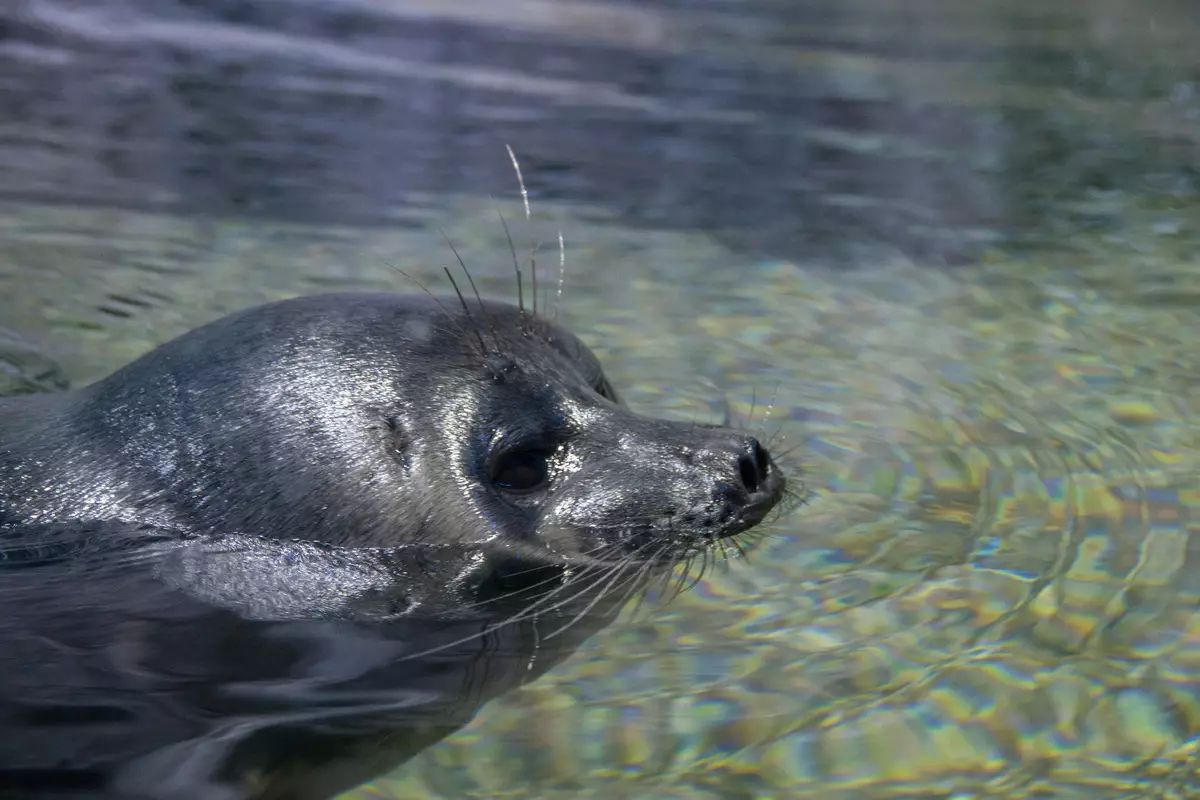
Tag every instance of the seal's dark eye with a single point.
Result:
(522, 471)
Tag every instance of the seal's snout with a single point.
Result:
(752, 487)
(729, 480)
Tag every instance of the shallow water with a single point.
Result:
(951, 248)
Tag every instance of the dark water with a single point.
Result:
(799, 130)
(955, 243)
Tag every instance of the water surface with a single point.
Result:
(951, 247)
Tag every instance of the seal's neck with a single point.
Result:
(51, 470)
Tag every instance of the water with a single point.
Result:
(953, 247)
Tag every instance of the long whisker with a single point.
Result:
(785, 453)
(596, 567)
(462, 331)
(598, 552)
(525, 202)
(516, 263)
(602, 579)
(666, 578)
(474, 288)
(533, 275)
(539, 611)
(741, 548)
(535, 609)
(678, 574)
(520, 178)
(562, 274)
(637, 583)
(639, 580)
(487, 629)
(683, 584)
(599, 596)
(728, 415)
(466, 309)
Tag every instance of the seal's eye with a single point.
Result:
(522, 471)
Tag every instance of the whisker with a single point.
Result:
(602, 594)
(525, 202)
(727, 418)
(638, 582)
(600, 578)
(562, 274)
(678, 573)
(593, 579)
(520, 178)
(515, 593)
(533, 275)
(516, 264)
(705, 555)
(463, 302)
(554, 578)
(785, 453)
(533, 610)
(474, 288)
(462, 331)
(588, 566)
(741, 548)
(666, 576)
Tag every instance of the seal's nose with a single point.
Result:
(754, 465)
(751, 491)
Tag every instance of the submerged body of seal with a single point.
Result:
(275, 556)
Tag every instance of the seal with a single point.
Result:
(276, 556)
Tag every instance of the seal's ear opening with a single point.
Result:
(606, 390)
(397, 438)
(586, 362)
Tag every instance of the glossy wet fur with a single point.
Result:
(378, 463)
(316, 419)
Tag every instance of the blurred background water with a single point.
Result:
(952, 246)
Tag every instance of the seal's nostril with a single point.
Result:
(761, 459)
(753, 466)
(749, 473)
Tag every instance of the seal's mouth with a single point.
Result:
(753, 513)
(758, 505)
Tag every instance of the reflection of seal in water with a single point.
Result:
(267, 558)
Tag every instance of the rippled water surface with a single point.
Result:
(946, 251)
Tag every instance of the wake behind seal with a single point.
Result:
(277, 555)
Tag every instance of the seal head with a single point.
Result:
(381, 422)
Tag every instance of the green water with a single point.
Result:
(989, 593)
